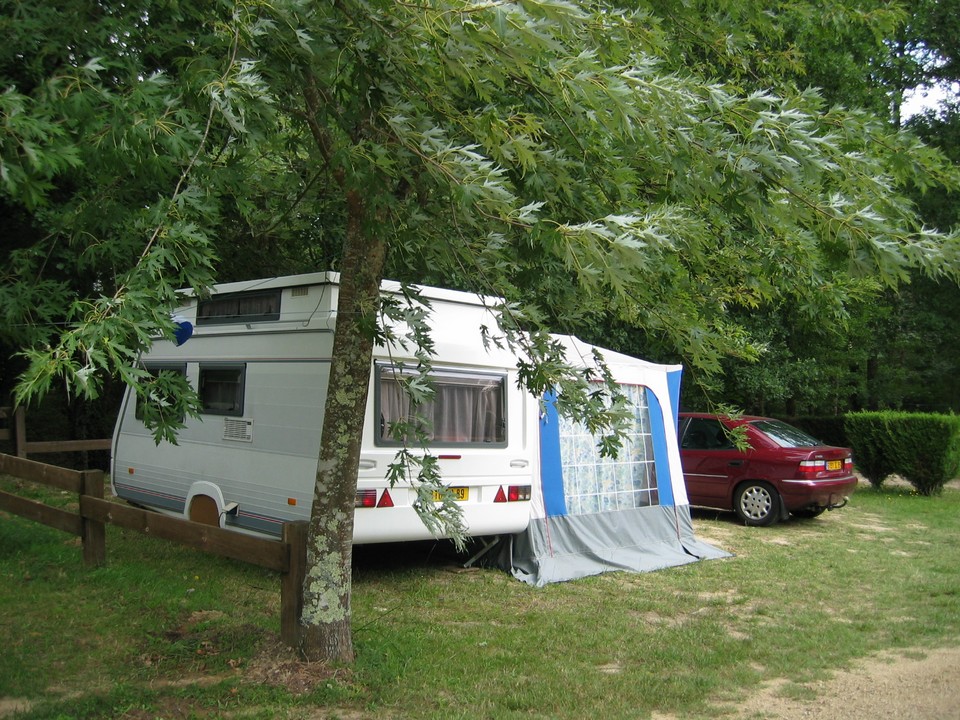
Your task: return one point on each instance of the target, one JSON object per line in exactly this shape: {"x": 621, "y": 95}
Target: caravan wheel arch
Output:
{"x": 205, "y": 505}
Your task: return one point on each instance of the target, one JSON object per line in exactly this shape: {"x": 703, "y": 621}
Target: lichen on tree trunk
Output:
{"x": 325, "y": 630}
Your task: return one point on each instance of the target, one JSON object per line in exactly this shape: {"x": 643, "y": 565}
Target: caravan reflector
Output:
{"x": 365, "y": 498}
{"x": 385, "y": 499}
{"x": 501, "y": 496}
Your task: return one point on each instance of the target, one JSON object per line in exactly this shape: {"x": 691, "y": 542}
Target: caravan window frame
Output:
{"x": 233, "y": 308}
{"x": 155, "y": 369}
{"x": 453, "y": 377}
{"x": 239, "y": 395}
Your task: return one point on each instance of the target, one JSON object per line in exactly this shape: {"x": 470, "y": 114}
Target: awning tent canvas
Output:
{"x": 593, "y": 514}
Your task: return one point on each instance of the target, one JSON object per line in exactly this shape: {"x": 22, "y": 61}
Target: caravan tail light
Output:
{"x": 514, "y": 493}
{"x": 365, "y": 498}
{"x": 368, "y": 499}
{"x": 518, "y": 493}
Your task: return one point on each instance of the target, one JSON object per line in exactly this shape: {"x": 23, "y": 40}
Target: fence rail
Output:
{"x": 18, "y": 434}
{"x": 286, "y": 556}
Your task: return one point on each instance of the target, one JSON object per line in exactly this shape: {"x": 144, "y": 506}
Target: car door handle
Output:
{"x": 735, "y": 463}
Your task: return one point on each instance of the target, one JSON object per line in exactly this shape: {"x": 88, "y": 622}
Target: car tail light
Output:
{"x": 808, "y": 467}
{"x": 365, "y": 498}
{"x": 385, "y": 500}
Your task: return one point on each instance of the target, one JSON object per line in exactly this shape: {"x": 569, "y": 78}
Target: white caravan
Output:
{"x": 259, "y": 357}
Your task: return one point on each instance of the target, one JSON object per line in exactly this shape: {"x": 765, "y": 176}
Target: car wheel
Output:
{"x": 808, "y": 512}
{"x": 757, "y": 503}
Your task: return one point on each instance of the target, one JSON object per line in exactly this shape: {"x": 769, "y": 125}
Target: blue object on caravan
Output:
{"x": 183, "y": 330}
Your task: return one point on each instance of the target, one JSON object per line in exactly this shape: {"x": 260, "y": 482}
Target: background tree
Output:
{"x": 540, "y": 152}
{"x": 118, "y": 147}
{"x": 859, "y": 55}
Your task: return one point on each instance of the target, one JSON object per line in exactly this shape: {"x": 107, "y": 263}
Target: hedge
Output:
{"x": 923, "y": 448}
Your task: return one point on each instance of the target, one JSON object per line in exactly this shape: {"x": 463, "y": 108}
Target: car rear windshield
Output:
{"x": 785, "y": 435}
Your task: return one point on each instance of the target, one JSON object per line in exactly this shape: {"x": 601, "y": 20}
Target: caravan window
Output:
{"x": 221, "y": 389}
{"x": 239, "y": 308}
{"x": 466, "y": 408}
{"x": 157, "y": 391}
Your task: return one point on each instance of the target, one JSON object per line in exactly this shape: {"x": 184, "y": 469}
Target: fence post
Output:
{"x": 20, "y": 431}
{"x": 6, "y": 414}
{"x": 93, "y": 532}
{"x": 291, "y": 582}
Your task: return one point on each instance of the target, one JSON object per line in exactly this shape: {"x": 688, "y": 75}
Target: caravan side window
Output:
{"x": 157, "y": 392}
{"x": 239, "y": 308}
{"x": 221, "y": 389}
{"x": 466, "y": 409}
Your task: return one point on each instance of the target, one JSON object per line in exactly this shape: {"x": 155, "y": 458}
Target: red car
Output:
{"x": 784, "y": 471}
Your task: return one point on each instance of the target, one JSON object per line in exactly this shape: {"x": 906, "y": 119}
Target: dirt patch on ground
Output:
{"x": 278, "y": 665}
{"x": 10, "y": 706}
{"x": 908, "y": 685}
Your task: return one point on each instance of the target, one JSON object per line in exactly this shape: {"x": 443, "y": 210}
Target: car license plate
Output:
{"x": 834, "y": 464}
{"x": 459, "y": 494}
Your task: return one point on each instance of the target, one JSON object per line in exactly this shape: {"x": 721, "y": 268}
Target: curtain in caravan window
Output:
{"x": 465, "y": 409}
{"x": 242, "y": 307}
{"x": 468, "y": 412}
{"x": 394, "y": 405}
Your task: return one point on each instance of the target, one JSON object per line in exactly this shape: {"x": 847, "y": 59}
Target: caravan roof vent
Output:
{"x": 239, "y": 429}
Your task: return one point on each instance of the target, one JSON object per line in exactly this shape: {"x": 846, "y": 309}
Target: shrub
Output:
{"x": 924, "y": 448}
{"x": 868, "y": 437}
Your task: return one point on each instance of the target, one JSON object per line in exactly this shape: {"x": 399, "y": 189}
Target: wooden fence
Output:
{"x": 288, "y": 556}
{"x": 16, "y": 430}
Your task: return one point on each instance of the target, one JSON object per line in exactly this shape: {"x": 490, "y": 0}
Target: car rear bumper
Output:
{"x": 832, "y": 493}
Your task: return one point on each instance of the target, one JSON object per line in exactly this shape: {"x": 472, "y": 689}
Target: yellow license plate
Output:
{"x": 834, "y": 464}
{"x": 459, "y": 494}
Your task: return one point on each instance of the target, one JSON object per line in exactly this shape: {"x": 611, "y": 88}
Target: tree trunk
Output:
{"x": 325, "y": 621}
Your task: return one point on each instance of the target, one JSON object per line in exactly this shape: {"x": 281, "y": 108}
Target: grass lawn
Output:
{"x": 165, "y": 632}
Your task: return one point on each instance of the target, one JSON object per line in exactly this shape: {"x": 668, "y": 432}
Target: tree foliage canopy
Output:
{"x": 540, "y": 151}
